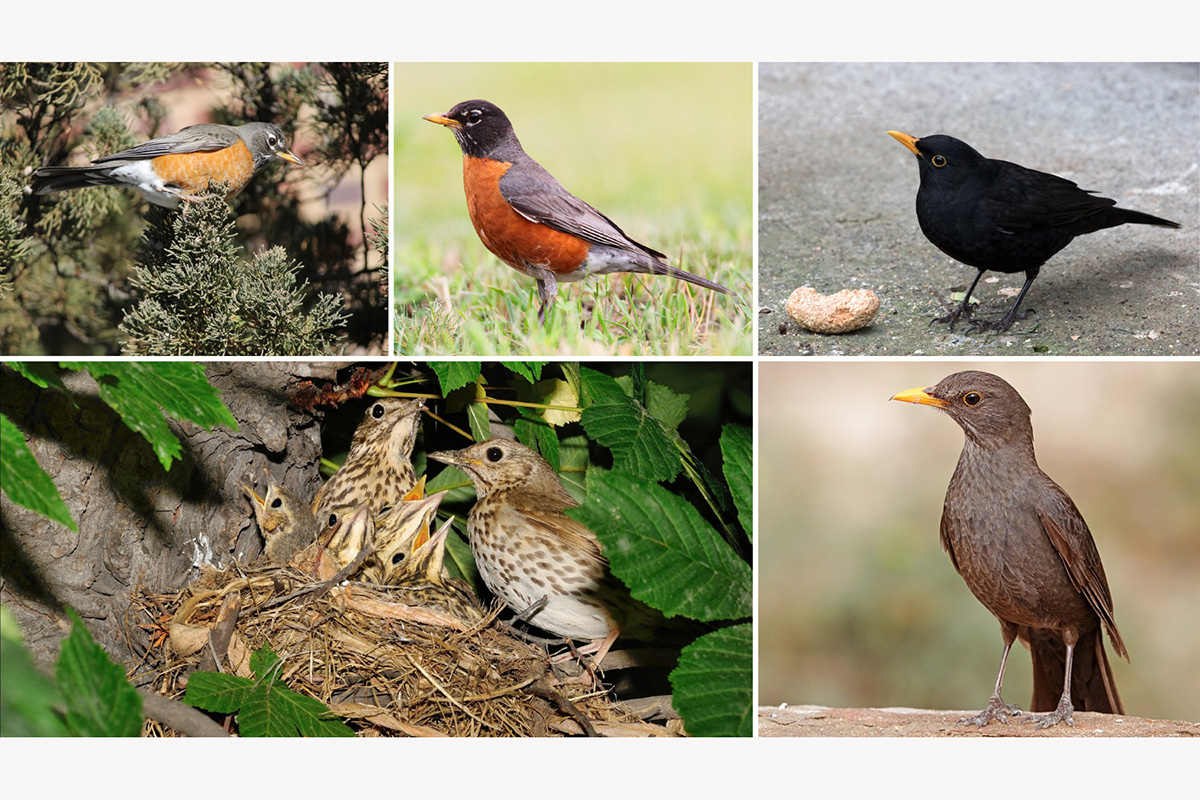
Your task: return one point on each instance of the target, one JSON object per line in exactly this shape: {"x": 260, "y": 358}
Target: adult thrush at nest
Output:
{"x": 378, "y": 469}
{"x": 1025, "y": 552}
{"x": 535, "y": 558}
{"x": 995, "y": 215}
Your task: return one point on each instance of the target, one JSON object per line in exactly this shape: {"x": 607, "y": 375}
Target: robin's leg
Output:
{"x": 547, "y": 285}
{"x": 1063, "y": 713}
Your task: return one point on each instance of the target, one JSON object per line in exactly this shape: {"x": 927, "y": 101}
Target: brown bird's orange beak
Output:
{"x": 903, "y": 138}
{"x": 919, "y": 395}
{"x": 442, "y": 119}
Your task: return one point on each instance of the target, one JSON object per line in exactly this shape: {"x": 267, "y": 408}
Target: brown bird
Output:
{"x": 1025, "y": 552}
{"x": 534, "y": 557}
{"x": 378, "y": 468}
{"x": 342, "y": 541}
{"x": 399, "y": 530}
{"x": 286, "y": 522}
{"x": 421, "y": 580}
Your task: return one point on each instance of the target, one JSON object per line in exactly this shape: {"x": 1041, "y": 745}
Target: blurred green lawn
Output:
{"x": 859, "y": 607}
{"x": 665, "y": 150}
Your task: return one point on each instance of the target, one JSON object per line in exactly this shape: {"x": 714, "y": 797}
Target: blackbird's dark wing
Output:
{"x": 1069, "y": 534}
{"x": 192, "y": 139}
{"x": 539, "y": 197}
{"x": 1022, "y": 199}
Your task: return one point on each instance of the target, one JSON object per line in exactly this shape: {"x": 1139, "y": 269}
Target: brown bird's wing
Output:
{"x": 548, "y": 523}
{"x": 201, "y": 138}
{"x": 536, "y": 195}
{"x": 1073, "y": 541}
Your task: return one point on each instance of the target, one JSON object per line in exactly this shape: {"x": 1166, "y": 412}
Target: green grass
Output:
{"x": 665, "y": 150}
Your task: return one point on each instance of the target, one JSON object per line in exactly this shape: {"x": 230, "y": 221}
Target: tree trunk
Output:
{"x": 138, "y": 524}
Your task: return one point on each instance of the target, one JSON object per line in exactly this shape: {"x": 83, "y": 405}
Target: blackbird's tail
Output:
{"x": 1092, "y": 684}
{"x": 1145, "y": 219}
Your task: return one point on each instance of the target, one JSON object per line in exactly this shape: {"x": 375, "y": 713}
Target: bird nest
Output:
{"x": 385, "y": 668}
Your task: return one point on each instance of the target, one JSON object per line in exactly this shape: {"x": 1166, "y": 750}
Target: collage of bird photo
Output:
{"x": 684, "y": 400}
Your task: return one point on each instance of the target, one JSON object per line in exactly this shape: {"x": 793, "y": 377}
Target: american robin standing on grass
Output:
{"x": 529, "y": 221}
{"x": 179, "y": 167}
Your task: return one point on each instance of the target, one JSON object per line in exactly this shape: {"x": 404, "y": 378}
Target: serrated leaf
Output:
{"x": 453, "y": 375}
{"x": 666, "y": 405}
{"x": 140, "y": 391}
{"x": 217, "y": 692}
{"x": 714, "y": 683}
{"x": 29, "y": 701}
{"x": 737, "y": 452}
{"x": 536, "y": 434}
{"x": 663, "y": 550}
{"x": 529, "y": 370}
{"x": 272, "y": 709}
{"x": 99, "y": 700}
{"x": 477, "y": 416}
{"x": 639, "y": 443}
{"x": 555, "y": 392}
{"x": 24, "y": 480}
{"x": 39, "y": 373}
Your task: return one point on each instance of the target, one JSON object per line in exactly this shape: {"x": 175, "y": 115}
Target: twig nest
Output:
{"x": 847, "y": 310}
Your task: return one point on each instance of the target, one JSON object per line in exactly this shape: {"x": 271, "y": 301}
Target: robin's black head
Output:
{"x": 480, "y": 127}
{"x": 986, "y": 406}
{"x": 266, "y": 141}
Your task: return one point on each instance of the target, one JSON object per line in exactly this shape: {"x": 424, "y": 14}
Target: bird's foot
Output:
{"x": 1061, "y": 714}
{"x": 996, "y": 709}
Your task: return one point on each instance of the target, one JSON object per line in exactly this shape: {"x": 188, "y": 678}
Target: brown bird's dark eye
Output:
{"x": 396, "y": 559}
{"x": 473, "y": 116}
{"x": 494, "y": 454}
{"x": 377, "y": 410}
{"x": 972, "y": 398}
{"x": 332, "y": 520}
{"x": 939, "y": 161}
{"x": 277, "y": 502}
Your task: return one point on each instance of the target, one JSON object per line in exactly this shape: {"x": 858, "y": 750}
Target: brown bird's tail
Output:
{"x": 663, "y": 269}
{"x": 1092, "y": 684}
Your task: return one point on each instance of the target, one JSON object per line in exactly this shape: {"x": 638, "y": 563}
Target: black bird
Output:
{"x": 992, "y": 214}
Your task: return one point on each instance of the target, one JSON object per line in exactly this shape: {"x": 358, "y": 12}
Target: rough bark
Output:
{"x": 139, "y": 524}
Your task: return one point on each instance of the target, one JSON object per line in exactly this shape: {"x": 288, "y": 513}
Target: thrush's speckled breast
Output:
{"x": 532, "y": 555}
{"x": 378, "y": 469}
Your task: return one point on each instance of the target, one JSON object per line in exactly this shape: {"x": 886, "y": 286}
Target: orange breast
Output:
{"x": 511, "y": 237}
{"x": 193, "y": 172}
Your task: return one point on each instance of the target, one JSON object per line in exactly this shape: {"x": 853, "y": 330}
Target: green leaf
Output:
{"x": 664, "y": 550}
{"x": 529, "y": 370}
{"x": 217, "y": 692}
{"x": 737, "y": 450}
{"x": 29, "y": 701}
{"x": 24, "y": 480}
{"x": 453, "y": 375}
{"x": 272, "y": 709}
{"x": 639, "y": 442}
{"x": 137, "y": 390}
{"x": 477, "y": 415}
{"x": 39, "y": 373}
{"x": 714, "y": 683}
{"x": 99, "y": 700}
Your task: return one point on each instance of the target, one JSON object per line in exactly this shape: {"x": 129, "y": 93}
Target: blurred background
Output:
{"x": 665, "y": 150}
{"x": 859, "y": 606}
